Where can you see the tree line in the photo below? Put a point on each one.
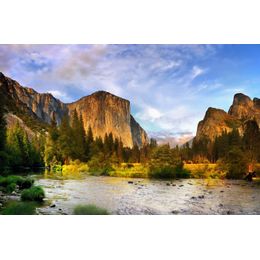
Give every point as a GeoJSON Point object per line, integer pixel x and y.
{"type": "Point", "coordinates": [64, 143]}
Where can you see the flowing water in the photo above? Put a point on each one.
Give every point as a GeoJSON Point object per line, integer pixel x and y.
{"type": "Point", "coordinates": [143, 196]}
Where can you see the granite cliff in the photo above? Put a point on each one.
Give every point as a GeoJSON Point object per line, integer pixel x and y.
{"type": "Point", "coordinates": [216, 120]}
{"type": "Point", "coordinates": [102, 111]}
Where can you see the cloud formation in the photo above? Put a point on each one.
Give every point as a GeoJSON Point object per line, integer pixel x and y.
{"type": "Point", "coordinates": [169, 86]}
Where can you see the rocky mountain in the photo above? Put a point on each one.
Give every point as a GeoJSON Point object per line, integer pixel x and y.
{"type": "Point", "coordinates": [102, 111]}
{"type": "Point", "coordinates": [216, 120]}
{"type": "Point", "coordinates": [105, 113]}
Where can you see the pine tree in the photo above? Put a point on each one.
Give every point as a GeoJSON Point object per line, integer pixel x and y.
{"type": "Point", "coordinates": [3, 155]}
{"type": "Point", "coordinates": [89, 146]}
{"type": "Point", "coordinates": [52, 154]}
{"type": "Point", "coordinates": [251, 140]}
{"type": "Point", "coordinates": [135, 155]}
{"type": "Point", "coordinates": [78, 137]}
{"type": "Point", "coordinates": [64, 141]}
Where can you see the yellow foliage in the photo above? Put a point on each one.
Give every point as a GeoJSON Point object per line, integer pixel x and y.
{"type": "Point", "coordinates": [75, 167]}
{"type": "Point", "coordinates": [130, 170]}
{"type": "Point", "coordinates": [202, 170]}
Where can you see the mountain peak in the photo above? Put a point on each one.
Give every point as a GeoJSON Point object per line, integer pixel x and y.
{"type": "Point", "coordinates": [241, 98]}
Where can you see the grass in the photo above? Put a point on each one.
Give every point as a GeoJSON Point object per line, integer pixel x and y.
{"type": "Point", "coordinates": [141, 170]}
{"type": "Point", "coordinates": [130, 170]}
{"type": "Point", "coordinates": [204, 171]}
{"type": "Point", "coordinates": [35, 193]}
{"type": "Point", "coordinates": [10, 187]}
{"type": "Point", "coordinates": [89, 210]}
{"type": "Point", "coordinates": [19, 208]}
{"type": "Point", "coordinates": [75, 167]}
{"type": "Point", "coordinates": [10, 183]}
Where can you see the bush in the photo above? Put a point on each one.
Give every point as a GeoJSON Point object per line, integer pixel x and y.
{"type": "Point", "coordinates": [89, 210]}
{"type": "Point", "coordinates": [19, 208]}
{"type": "Point", "coordinates": [168, 172]}
{"type": "Point", "coordinates": [26, 183]}
{"type": "Point", "coordinates": [12, 181]}
{"type": "Point", "coordinates": [56, 168]}
{"type": "Point", "coordinates": [134, 170]}
{"type": "Point", "coordinates": [11, 187]}
{"type": "Point", "coordinates": [35, 193]}
{"type": "Point", "coordinates": [235, 164]}
{"type": "Point", "coordinates": [209, 171]}
{"type": "Point", "coordinates": [5, 181]}
{"type": "Point", "coordinates": [75, 167]}
{"type": "Point", "coordinates": [166, 163]}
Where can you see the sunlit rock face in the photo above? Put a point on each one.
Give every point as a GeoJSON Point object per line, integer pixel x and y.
{"type": "Point", "coordinates": [43, 106]}
{"type": "Point", "coordinates": [102, 111]}
{"type": "Point", "coordinates": [214, 123]}
{"type": "Point", "coordinates": [244, 108]}
{"type": "Point", "coordinates": [216, 120]}
{"type": "Point", "coordinates": [106, 113]}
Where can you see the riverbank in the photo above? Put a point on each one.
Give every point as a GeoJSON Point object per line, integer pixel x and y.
{"type": "Point", "coordinates": [137, 196]}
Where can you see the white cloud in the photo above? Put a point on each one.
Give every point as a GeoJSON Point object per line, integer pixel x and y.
{"type": "Point", "coordinates": [196, 71]}
{"type": "Point", "coordinates": [157, 79]}
{"type": "Point", "coordinates": [59, 94]}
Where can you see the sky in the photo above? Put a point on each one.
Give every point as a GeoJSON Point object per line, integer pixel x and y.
{"type": "Point", "coordinates": [170, 87]}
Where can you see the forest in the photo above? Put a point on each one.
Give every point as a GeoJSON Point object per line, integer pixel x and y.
{"type": "Point", "coordinates": [68, 143]}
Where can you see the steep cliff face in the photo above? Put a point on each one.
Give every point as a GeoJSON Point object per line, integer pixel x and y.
{"type": "Point", "coordinates": [44, 106]}
{"type": "Point", "coordinates": [106, 113]}
{"type": "Point", "coordinates": [216, 120]}
{"type": "Point", "coordinates": [214, 123]}
{"type": "Point", "coordinates": [102, 111]}
{"type": "Point", "coordinates": [244, 108]}
{"type": "Point", "coordinates": [139, 136]}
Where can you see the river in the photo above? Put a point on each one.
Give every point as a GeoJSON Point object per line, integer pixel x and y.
{"type": "Point", "coordinates": [142, 196]}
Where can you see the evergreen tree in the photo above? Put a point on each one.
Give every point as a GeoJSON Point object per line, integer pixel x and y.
{"type": "Point", "coordinates": [52, 154]}
{"type": "Point", "coordinates": [89, 146]}
{"type": "Point", "coordinates": [3, 155]}
{"type": "Point", "coordinates": [65, 139]}
{"type": "Point", "coordinates": [135, 155]}
{"type": "Point", "coordinates": [251, 140]}
{"type": "Point", "coordinates": [78, 137]}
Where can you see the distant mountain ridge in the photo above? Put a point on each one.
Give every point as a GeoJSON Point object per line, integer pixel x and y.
{"type": "Point", "coordinates": [217, 120]}
{"type": "Point", "coordinates": [102, 111]}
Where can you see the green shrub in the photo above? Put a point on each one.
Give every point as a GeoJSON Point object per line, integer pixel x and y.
{"type": "Point", "coordinates": [5, 181]}
{"type": "Point", "coordinates": [235, 164]}
{"type": "Point", "coordinates": [19, 208]}
{"type": "Point", "coordinates": [35, 193]}
{"type": "Point", "coordinates": [10, 187]}
{"type": "Point", "coordinates": [12, 180]}
{"type": "Point", "coordinates": [89, 210]}
{"type": "Point", "coordinates": [168, 172]}
{"type": "Point", "coordinates": [56, 168]}
{"type": "Point", "coordinates": [26, 183]}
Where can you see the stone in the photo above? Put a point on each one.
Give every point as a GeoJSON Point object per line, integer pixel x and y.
{"type": "Point", "coordinates": [130, 182]}
{"type": "Point", "coordinates": [52, 205]}
{"type": "Point", "coordinates": [201, 196]}
{"type": "Point", "coordinates": [102, 111]}
{"type": "Point", "coordinates": [217, 120]}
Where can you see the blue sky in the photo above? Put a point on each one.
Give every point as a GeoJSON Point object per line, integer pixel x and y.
{"type": "Point", "coordinates": [169, 86]}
